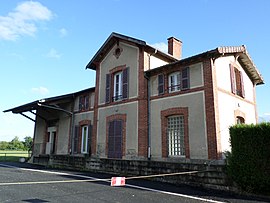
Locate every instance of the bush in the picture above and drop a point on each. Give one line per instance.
(249, 160)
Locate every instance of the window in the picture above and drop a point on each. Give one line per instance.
(175, 136)
(240, 120)
(84, 148)
(82, 137)
(237, 82)
(115, 139)
(174, 82)
(117, 85)
(84, 103)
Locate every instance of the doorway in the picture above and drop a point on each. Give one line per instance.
(51, 137)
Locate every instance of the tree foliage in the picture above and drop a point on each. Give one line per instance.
(16, 144)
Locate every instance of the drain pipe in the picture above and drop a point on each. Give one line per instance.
(148, 117)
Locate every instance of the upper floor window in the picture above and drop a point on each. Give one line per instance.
(84, 103)
(174, 82)
(237, 82)
(117, 85)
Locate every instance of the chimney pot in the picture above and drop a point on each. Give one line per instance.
(175, 47)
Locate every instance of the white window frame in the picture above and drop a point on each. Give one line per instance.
(84, 143)
(174, 82)
(118, 85)
(176, 136)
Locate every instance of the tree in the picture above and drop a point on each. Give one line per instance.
(28, 141)
(4, 145)
(16, 144)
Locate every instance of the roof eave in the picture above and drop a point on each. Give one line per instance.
(34, 105)
(106, 45)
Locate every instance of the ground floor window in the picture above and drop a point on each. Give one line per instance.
(175, 132)
(116, 136)
(175, 136)
(240, 120)
(115, 139)
(84, 139)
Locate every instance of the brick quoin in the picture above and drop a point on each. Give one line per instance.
(142, 108)
(210, 110)
(70, 132)
(94, 135)
(216, 106)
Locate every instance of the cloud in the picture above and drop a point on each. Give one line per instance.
(161, 46)
(63, 32)
(264, 118)
(53, 54)
(40, 90)
(23, 20)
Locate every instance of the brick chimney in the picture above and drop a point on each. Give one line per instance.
(175, 47)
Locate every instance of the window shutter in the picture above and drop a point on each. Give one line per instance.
(80, 103)
(242, 85)
(233, 88)
(161, 84)
(76, 140)
(185, 79)
(178, 82)
(111, 144)
(118, 138)
(89, 138)
(87, 102)
(125, 83)
(108, 88)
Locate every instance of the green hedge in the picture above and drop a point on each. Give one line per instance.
(249, 160)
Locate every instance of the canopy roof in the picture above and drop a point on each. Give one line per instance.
(35, 104)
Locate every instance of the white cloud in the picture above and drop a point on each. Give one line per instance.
(53, 54)
(40, 90)
(63, 32)
(161, 46)
(264, 118)
(23, 20)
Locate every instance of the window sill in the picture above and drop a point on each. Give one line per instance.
(176, 156)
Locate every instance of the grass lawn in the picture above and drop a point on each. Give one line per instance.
(12, 156)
